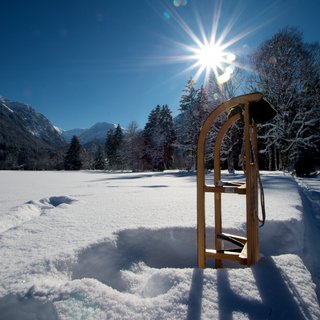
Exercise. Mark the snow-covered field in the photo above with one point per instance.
(96, 245)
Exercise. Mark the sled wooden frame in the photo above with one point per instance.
(249, 245)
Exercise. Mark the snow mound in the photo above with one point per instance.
(166, 248)
(125, 279)
(128, 251)
(173, 293)
(31, 210)
(311, 189)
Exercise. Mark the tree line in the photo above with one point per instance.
(285, 69)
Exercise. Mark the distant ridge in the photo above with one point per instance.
(97, 133)
(33, 122)
(28, 140)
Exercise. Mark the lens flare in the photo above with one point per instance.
(166, 15)
(207, 52)
(180, 3)
(225, 77)
(231, 57)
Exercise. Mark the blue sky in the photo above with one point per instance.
(80, 62)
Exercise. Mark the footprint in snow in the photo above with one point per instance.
(57, 201)
(32, 209)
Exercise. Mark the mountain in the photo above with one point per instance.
(68, 134)
(34, 122)
(27, 138)
(97, 133)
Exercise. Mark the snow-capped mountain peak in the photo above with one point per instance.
(33, 122)
(97, 132)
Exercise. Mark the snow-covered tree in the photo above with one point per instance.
(233, 141)
(113, 147)
(132, 149)
(288, 74)
(159, 136)
(72, 159)
(217, 94)
(195, 106)
(150, 131)
(118, 141)
(110, 147)
(194, 109)
(99, 160)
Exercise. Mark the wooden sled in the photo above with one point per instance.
(251, 109)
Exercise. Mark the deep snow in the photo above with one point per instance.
(97, 245)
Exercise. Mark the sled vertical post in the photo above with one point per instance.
(201, 235)
(251, 167)
(247, 252)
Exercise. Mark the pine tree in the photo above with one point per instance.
(113, 148)
(118, 136)
(110, 148)
(194, 110)
(186, 127)
(150, 132)
(72, 159)
(118, 145)
(99, 161)
(168, 136)
(159, 136)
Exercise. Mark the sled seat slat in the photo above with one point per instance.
(228, 255)
(227, 188)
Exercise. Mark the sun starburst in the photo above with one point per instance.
(210, 57)
(211, 53)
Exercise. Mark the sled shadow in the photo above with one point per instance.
(195, 295)
(13, 307)
(176, 248)
(278, 300)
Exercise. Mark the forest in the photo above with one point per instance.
(285, 69)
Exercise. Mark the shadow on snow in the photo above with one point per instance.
(176, 248)
(169, 248)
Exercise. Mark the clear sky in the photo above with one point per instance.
(85, 61)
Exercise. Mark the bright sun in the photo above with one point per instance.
(210, 53)
(211, 57)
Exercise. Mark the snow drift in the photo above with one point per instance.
(95, 245)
